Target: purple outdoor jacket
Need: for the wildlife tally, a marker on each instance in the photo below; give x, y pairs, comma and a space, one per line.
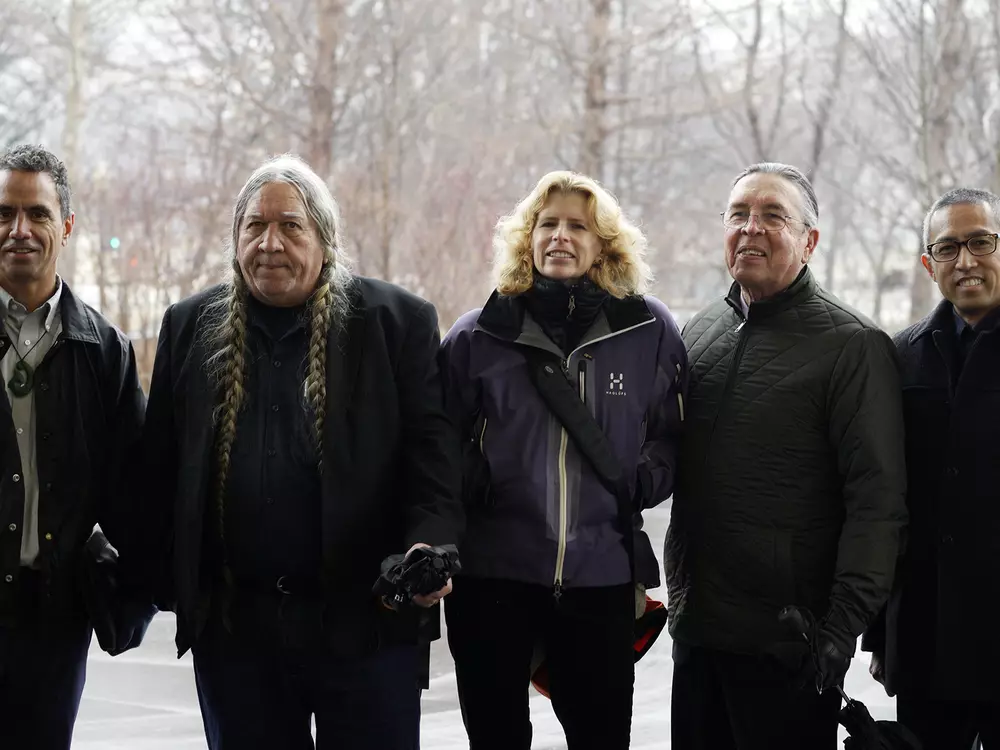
550, 520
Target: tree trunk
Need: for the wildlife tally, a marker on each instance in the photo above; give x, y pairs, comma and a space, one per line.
939, 81
329, 20
831, 91
74, 113
595, 127
831, 248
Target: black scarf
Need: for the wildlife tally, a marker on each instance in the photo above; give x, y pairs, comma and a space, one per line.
565, 310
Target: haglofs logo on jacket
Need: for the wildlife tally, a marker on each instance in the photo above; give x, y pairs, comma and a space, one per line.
617, 385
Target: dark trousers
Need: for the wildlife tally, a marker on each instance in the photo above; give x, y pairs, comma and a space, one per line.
261, 684
943, 725
723, 701
493, 629
43, 665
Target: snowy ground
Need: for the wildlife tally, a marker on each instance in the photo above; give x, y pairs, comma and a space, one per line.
145, 700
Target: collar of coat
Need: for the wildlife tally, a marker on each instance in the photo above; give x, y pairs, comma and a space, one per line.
503, 316
78, 320
798, 291
942, 318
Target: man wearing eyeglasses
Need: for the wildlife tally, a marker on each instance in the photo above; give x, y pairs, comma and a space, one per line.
937, 645
790, 488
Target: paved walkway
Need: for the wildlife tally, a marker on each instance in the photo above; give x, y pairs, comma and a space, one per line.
145, 700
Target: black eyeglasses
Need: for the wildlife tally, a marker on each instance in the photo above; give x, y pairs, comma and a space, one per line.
946, 250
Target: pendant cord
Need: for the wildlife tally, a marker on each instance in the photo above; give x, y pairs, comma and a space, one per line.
13, 343
23, 379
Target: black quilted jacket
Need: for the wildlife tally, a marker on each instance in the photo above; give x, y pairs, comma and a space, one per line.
791, 478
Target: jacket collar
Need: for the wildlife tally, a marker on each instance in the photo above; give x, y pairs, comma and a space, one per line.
798, 291
51, 304
79, 322
990, 321
504, 317
940, 318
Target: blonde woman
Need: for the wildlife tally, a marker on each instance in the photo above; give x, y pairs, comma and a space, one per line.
546, 555
295, 437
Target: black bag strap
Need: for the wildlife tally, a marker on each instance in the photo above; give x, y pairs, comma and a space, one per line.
562, 399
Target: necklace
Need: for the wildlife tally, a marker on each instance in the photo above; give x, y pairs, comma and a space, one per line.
23, 378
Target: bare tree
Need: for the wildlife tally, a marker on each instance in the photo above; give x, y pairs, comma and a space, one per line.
916, 56
429, 119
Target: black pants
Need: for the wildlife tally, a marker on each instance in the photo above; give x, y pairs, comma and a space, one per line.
943, 725
260, 685
494, 627
725, 701
43, 666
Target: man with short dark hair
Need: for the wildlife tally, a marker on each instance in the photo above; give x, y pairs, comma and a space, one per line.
936, 644
69, 423
790, 486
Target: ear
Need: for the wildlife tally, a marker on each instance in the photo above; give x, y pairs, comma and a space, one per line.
925, 259
812, 240
68, 228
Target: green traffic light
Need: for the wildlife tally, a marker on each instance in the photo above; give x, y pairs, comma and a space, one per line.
115, 243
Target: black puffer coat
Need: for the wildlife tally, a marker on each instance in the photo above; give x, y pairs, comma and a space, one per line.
791, 480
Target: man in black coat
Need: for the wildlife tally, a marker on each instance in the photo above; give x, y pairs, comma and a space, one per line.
936, 644
70, 420
297, 437
790, 486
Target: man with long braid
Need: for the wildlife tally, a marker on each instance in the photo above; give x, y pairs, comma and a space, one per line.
296, 437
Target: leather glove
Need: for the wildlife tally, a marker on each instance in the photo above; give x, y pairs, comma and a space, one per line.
119, 616
131, 621
825, 665
831, 664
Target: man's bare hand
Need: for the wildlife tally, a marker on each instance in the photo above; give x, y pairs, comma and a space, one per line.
877, 670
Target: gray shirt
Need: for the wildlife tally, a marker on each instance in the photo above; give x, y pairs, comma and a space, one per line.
31, 335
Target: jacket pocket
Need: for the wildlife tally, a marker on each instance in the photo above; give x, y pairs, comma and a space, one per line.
753, 566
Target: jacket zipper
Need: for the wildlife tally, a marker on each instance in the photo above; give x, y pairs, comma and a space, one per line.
557, 586
680, 396
606, 337
734, 366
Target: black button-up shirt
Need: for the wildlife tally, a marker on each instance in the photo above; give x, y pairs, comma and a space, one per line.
273, 494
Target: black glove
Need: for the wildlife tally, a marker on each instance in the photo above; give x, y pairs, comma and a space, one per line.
831, 663
824, 665
131, 622
119, 617
423, 571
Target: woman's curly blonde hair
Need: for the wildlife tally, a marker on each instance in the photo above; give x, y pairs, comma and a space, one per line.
620, 269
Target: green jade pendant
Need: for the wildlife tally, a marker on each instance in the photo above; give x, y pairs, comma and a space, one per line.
23, 379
